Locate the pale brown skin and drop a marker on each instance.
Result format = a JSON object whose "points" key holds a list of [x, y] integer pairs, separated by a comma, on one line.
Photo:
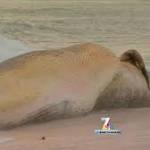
{"points": [[45, 85]]}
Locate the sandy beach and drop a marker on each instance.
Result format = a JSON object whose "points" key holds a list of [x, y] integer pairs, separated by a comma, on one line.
{"points": [[51, 24], [39, 25], [78, 133]]}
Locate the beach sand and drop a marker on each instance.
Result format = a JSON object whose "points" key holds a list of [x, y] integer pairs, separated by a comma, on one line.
{"points": [[78, 133], [51, 24], [47, 24]]}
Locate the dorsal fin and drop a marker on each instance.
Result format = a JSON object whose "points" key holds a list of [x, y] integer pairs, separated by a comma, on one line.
{"points": [[133, 57]]}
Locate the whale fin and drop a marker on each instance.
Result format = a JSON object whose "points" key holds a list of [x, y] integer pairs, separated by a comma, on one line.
{"points": [[133, 57]]}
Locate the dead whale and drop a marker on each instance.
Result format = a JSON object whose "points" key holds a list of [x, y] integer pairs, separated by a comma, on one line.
{"points": [[45, 85]]}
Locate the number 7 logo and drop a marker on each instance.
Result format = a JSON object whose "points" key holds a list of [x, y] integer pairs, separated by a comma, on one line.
{"points": [[106, 125]]}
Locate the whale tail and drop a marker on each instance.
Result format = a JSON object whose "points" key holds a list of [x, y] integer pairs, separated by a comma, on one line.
{"points": [[133, 57]]}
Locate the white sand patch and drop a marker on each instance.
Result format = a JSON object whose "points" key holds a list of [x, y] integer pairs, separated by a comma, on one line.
{"points": [[5, 140], [10, 48]]}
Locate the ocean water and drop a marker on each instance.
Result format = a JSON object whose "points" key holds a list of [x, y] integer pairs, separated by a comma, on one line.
{"points": [[116, 24]]}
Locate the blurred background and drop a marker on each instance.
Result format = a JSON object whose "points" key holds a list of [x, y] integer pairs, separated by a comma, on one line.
{"points": [[27, 25]]}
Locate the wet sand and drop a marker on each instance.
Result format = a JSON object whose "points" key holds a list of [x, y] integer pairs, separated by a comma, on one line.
{"points": [[52, 24], [78, 133]]}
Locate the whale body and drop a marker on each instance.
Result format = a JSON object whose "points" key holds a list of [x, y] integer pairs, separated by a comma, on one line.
{"points": [[51, 84]]}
